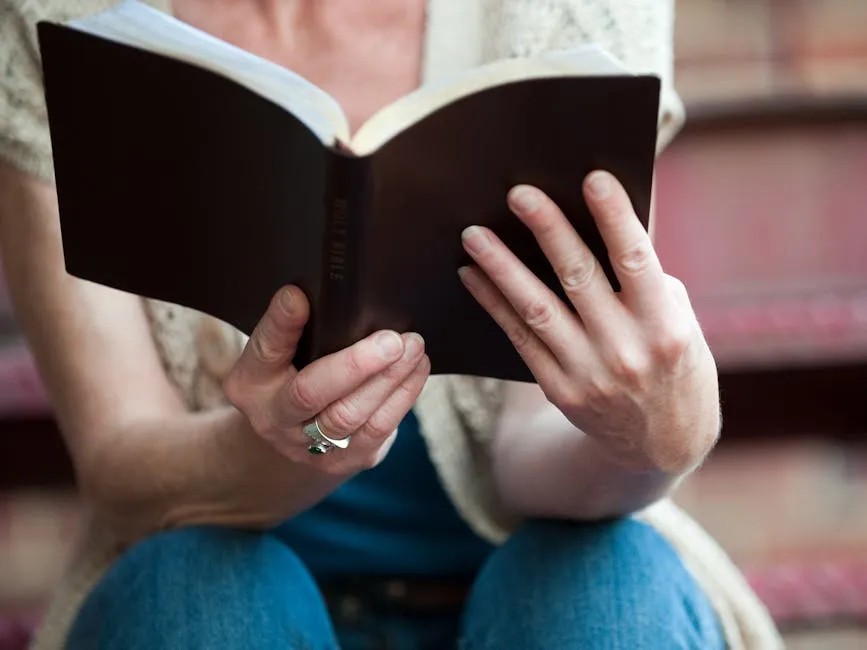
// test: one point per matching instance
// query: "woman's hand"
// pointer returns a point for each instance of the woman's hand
(363, 391)
(630, 369)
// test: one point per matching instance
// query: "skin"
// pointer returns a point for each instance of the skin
(626, 402)
(627, 399)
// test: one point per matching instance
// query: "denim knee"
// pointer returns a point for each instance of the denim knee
(204, 587)
(612, 584)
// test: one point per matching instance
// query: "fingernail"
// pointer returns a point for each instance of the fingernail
(414, 345)
(286, 299)
(390, 344)
(599, 184)
(523, 199)
(475, 239)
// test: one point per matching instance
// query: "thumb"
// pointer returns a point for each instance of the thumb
(274, 340)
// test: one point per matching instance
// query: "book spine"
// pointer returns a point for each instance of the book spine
(347, 205)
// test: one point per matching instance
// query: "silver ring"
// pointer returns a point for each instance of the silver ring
(323, 443)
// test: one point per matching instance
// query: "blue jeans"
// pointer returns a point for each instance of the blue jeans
(616, 585)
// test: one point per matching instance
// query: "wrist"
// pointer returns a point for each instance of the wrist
(175, 470)
(668, 451)
(205, 468)
(244, 482)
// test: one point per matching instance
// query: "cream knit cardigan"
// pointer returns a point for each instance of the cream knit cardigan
(457, 414)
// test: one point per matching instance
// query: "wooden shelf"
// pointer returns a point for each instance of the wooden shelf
(775, 112)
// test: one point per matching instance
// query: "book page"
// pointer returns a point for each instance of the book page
(142, 26)
(588, 60)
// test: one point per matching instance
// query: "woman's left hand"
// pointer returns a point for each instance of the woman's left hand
(631, 369)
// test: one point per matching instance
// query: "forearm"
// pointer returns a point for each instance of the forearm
(564, 474)
(143, 461)
(195, 469)
(545, 467)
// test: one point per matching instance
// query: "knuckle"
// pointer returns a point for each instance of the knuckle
(540, 315)
(374, 428)
(671, 344)
(565, 397)
(636, 259)
(519, 335)
(381, 425)
(579, 273)
(601, 393)
(302, 395)
(629, 368)
(576, 403)
(342, 418)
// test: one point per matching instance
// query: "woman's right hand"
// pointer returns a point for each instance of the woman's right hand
(363, 391)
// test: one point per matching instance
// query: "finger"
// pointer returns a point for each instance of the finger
(348, 414)
(630, 248)
(536, 305)
(330, 378)
(679, 293)
(371, 442)
(578, 270)
(539, 358)
(385, 420)
(272, 344)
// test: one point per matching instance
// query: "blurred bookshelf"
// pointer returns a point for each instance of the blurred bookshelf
(762, 205)
(731, 52)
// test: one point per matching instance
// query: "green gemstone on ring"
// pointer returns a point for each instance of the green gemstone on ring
(317, 449)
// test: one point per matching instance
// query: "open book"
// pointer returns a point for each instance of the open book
(191, 171)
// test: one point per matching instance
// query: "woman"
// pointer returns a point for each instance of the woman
(214, 525)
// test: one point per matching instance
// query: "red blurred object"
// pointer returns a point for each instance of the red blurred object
(22, 393)
(17, 632)
(817, 594)
(764, 218)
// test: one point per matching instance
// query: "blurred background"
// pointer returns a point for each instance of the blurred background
(763, 214)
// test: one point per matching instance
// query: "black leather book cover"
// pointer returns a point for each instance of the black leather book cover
(179, 184)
